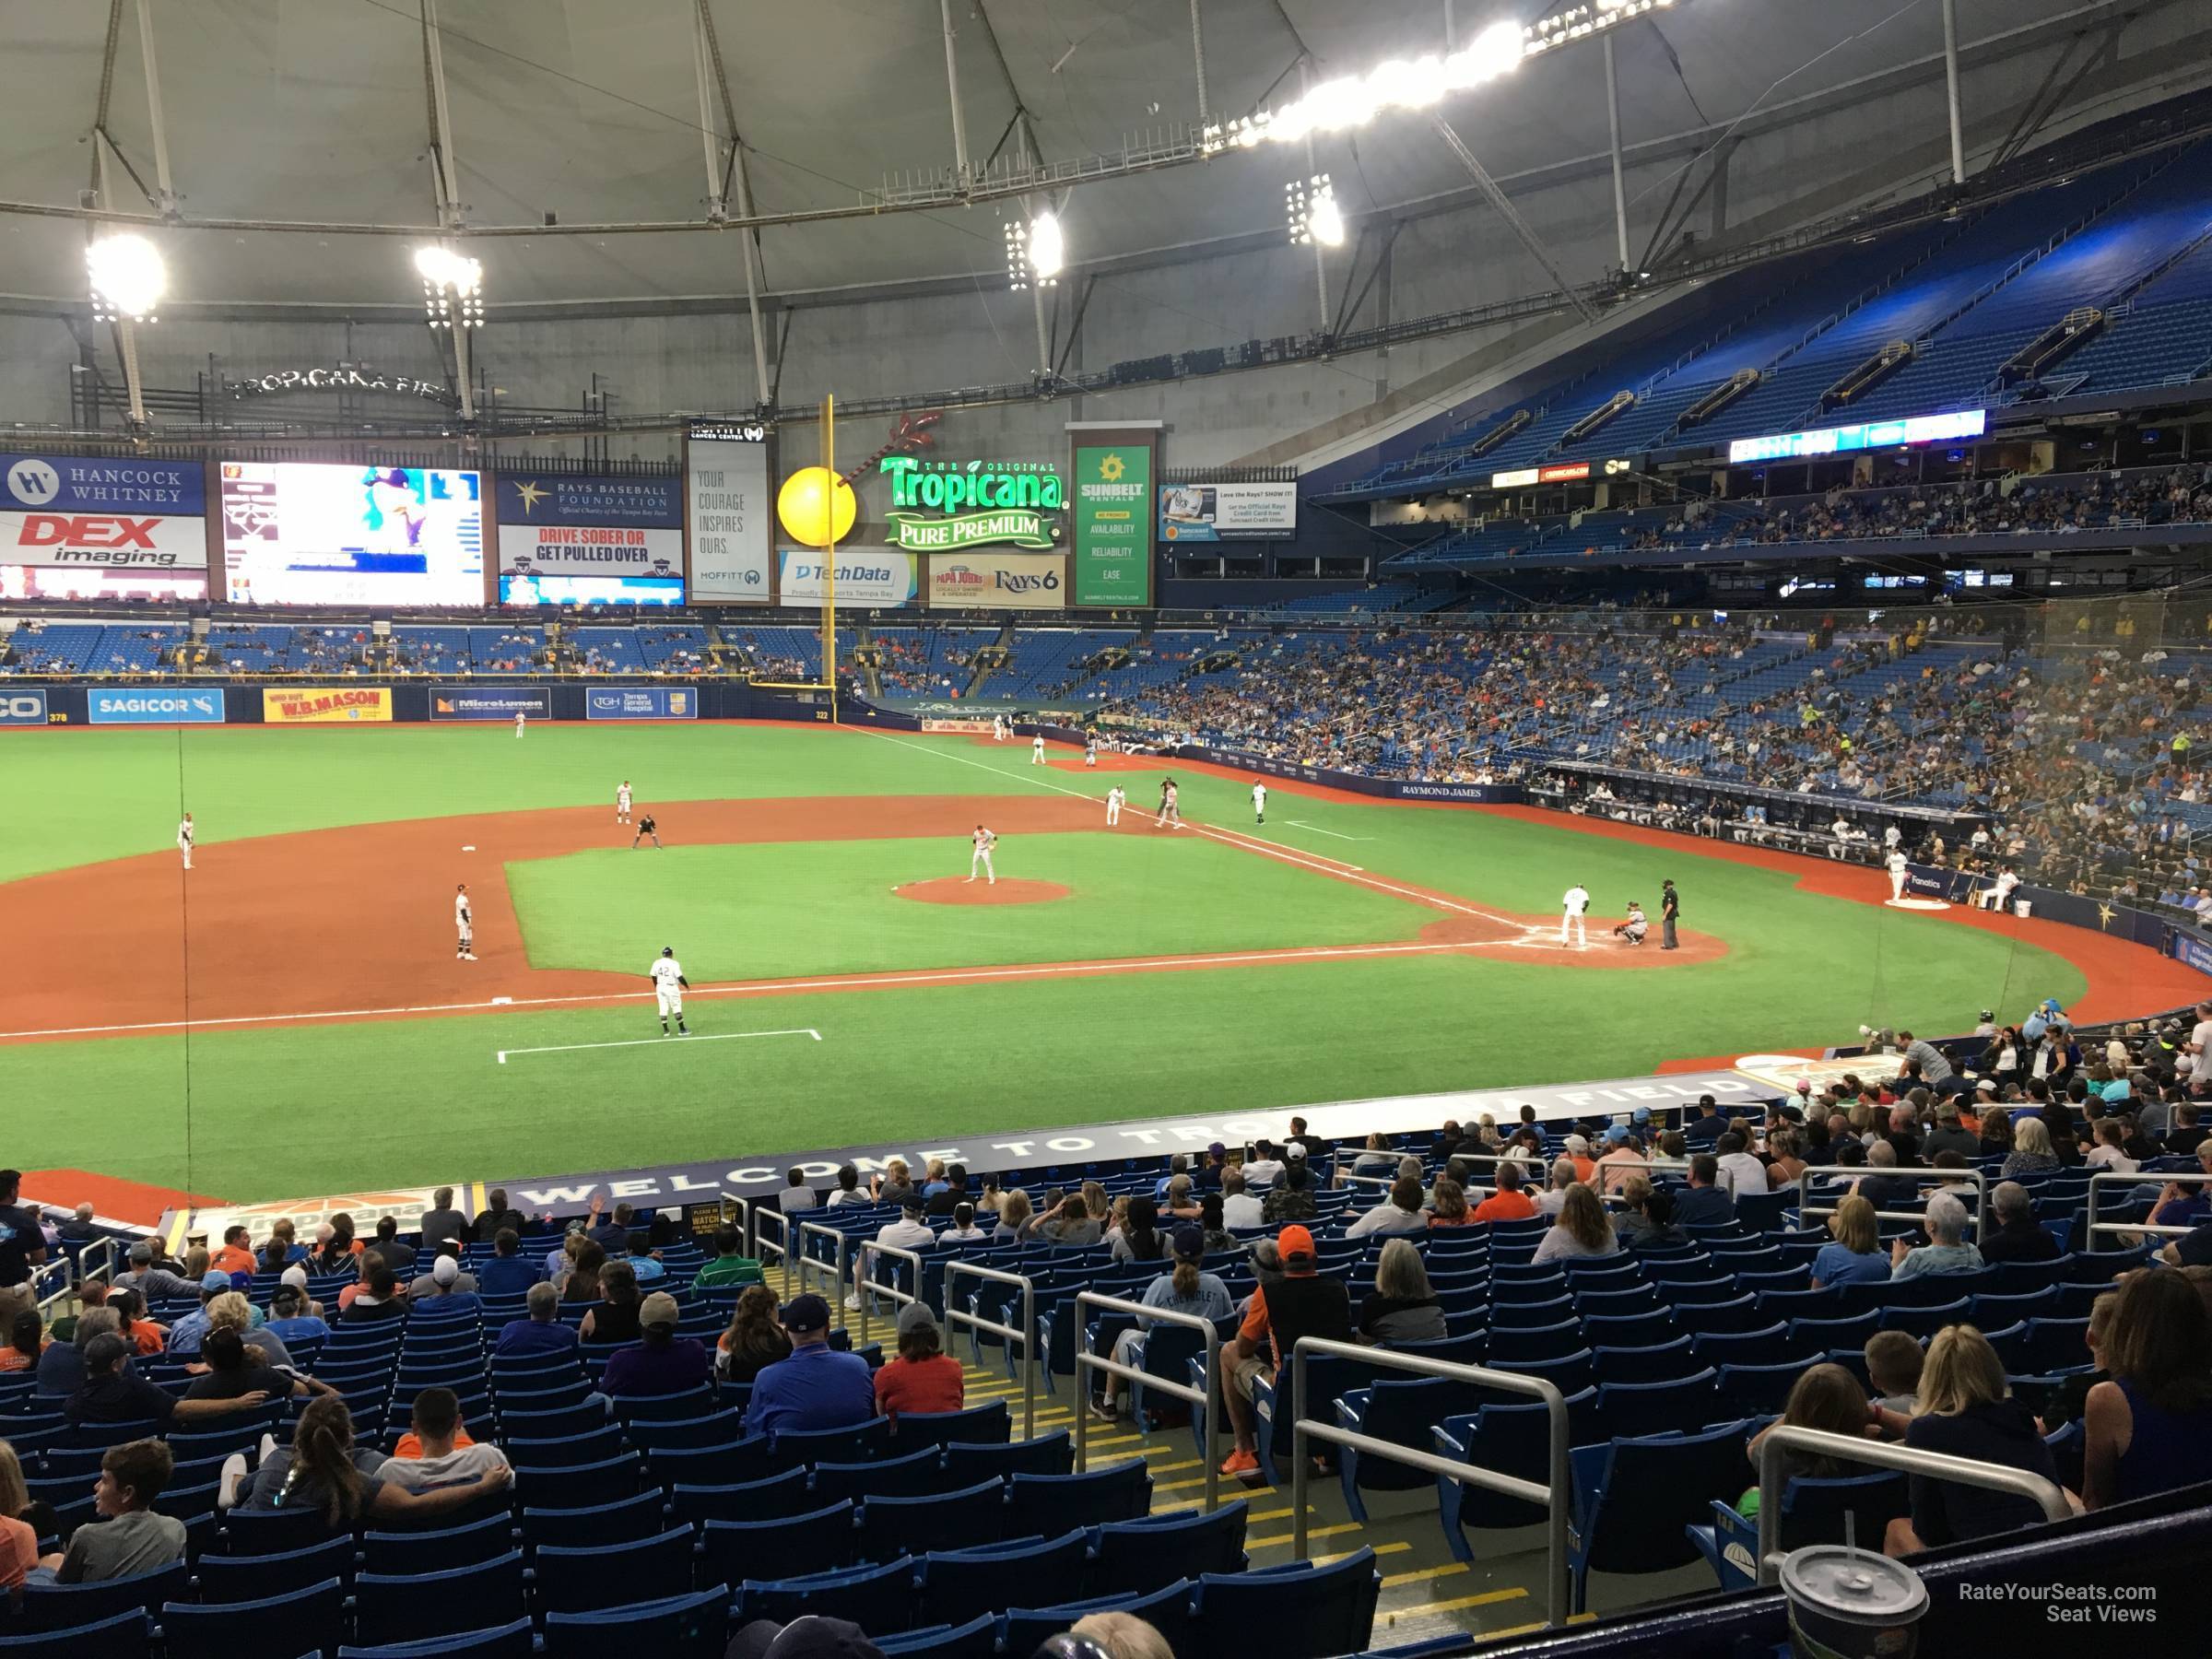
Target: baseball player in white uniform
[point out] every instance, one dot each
(668, 987)
(465, 925)
(184, 835)
(622, 803)
(1998, 896)
(1890, 836)
(1114, 797)
(519, 718)
(1037, 750)
(1896, 861)
(1572, 908)
(1091, 749)
(1259, 803)
(998, 728)
(984, 840)
(1168, 809)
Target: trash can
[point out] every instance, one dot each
(2021, 907)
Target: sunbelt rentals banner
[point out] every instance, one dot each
(1113, 523)
(866, 576)
(328, 705)
(997, 580)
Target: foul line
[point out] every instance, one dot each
(660, 1042)
(1266, 849)
(1302, 824)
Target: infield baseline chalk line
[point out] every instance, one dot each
(1302, 824)
(571, 1047)
(1312, 860)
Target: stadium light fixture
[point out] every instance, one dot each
(1035, 252)
(1309, 204)
(1419, 83)
(453, 286)
(128, 279)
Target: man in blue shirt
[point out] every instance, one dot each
(185, 1336)
(818, 1387)
(542, 1333)
(1704, 1129)
(1706, 1202)
(508, 1273)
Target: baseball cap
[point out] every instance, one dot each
(142, 1252)
(1190, 1240)
(296, 1275)
(1295, 1150)
(1578, 1143)
(658, 1309)
(1294, 1243)
(213, 1280)
(916, 1316)
(445, 1270)
(1617, 1134)
(1986, 1086)
(1642, 1115)
(807, 1312)
(807, 1637)
(1215, 1148)
(911, 1203)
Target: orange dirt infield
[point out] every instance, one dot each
(962, 889)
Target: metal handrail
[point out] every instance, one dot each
(1027, 1335)
(1943, 1178)
(744, 1217)
(2092, 1227)
(1207, 1399)
(1913, 1460)
(866, 1288)
(841, 1258)
(99, 1260)
(762, 1243)
(1553, 1496)
(63, 1291)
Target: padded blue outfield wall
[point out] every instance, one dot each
(221, 702)
(2167, 935)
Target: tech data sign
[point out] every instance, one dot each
(946, 506)
(109, 512)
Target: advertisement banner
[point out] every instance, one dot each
(108, 707)
(477, 702)
(98, 484)
(1113, 523)
(590, 550)
(978, 726)
(864, 576)
(603, 499)
(730, 509)
(22, 708)
(105, 541)
(997, 580)
(328, 705)
(2191, 949)
(1212, 512)
(641, 703)
(101, 583)
(309, 533)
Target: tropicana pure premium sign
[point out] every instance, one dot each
(945, 506)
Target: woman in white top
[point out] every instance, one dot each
(1581, 1230)
(2106, 1154)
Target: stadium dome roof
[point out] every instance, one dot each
(589, 110)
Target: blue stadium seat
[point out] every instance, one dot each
(428, 1550)
(1635, 1499)
(985, 1425)
(957, 1585)
(577, 1487)
(978, 1639)
(785, 1494)
(59, 1606)
(616, 1522)
(300, 1621)
(780, 1546)
(594, 1577)
(966, 1462)
(910, 1475)
(1636, 1408)
(1507, 1438)
(856, 1444)
(1295, 1612)
(956, 1520)
(1753, 1390)
(1661, 1362)
(503, 1641)
(421, 1606)
(1924, 1322)
(1140, 1557)
(1166, 1610)
(1402, 1413)
(1044, 1505)
(1813, 1512)
(122, 1636)
(878, 1599)
(683, 1627)
(272, 1532)
(250, 1578)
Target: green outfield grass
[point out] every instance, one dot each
(270, 1113)
(765, 911)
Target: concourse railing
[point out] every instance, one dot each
(1207, 1398)
(1940, 1179)
(1027, 1335)
(836, 1265)
(1913, 1460)
(2106, 1180)
(1552, 1496)
(868, 1288)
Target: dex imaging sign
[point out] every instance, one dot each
(105, 707)
(99, 512)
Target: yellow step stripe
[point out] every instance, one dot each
(1312, 1532)
(1170, 1468)
(1278, 1515)
(1487, 1598)
(1422, 1575)
(1380, 1549)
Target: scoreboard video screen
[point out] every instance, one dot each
(298, 532)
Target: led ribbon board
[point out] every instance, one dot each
(945, 506)
(1869, 434)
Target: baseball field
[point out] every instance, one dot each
(289, 1017)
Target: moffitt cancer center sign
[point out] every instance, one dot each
(980, 502)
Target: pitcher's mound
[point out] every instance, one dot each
(956, 889)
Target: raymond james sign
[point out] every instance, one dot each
(945, 506)
(342, 379)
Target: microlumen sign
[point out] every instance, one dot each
(944, 507)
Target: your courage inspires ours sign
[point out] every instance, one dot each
(945, 506)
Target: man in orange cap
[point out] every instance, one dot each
(1301, 1304)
